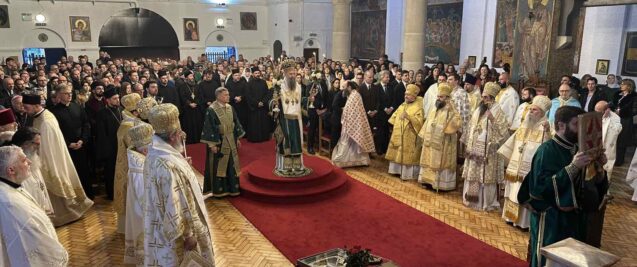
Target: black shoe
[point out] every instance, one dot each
(311, 150)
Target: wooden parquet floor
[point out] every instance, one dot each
(93, 240)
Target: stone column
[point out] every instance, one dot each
(414, 34)
(341, 29)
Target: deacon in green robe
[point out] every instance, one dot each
(555, 189)
(221, 132)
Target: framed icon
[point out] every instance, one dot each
(601, 67)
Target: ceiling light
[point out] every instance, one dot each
(220, 22)
(40, 18)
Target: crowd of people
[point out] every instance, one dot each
(71, 126)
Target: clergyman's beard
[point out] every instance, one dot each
(291, 84)
(483, 108)
(440, 104)
(570, 136)
(526, 100)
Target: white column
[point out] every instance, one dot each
(414, 34)
(341, 29)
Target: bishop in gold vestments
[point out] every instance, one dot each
(483, 170)
(440, 140)
(405, 146)
(518, 151)
(130, 118)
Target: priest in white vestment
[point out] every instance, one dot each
(356, 141)
(611, 127)
(483, 170)
(27, 237)
(507, 98)
(526, 97)
(518, 151)
(175, 216)
(429, 100)
(29, 139)
(141, 137)
(65, 190)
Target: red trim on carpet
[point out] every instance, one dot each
(361, 215)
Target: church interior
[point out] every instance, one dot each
(380, 203)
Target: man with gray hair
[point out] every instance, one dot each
(28, 237)
(221, 132)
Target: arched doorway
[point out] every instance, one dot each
(43, 43)
(278, 49)
(220, 45)
(138, 32)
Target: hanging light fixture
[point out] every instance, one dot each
(39, 18)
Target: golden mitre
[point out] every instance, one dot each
(412, 90)
(141, 134)
(164, 118)
(130, 101)
(144, 106)
(288, 64)
(542, 102)
(491, 89)
(444, 89)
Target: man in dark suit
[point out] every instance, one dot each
(320, 104)
(589, 99)
(386, 108)
(7, 92)
(370, 99)
(399, 90)
(167, 90)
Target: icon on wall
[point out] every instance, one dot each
(191, 29)
(4, 17)
(248, 21)
(601, 68)
(80, 29)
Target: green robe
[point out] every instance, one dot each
(553, 191)
(222, 129)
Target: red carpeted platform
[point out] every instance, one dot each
(359, 215)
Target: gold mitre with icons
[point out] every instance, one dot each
(130, 101)
(412, 90)
(492, 89)
(444, 89)
(141, 134)
(144, 106)
(164, 118)
(288, 64)
(542, 102)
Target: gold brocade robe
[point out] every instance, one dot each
(482, 164)
(440, 139)
(174, 208)
(474, 99)
(404, 145)
(121, 165)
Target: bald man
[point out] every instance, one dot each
(611, 126)
(565, 99)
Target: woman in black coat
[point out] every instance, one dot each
(625, 105)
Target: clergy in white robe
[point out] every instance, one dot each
(356, 141)
(65, 190)
(611, 127)
(141, 137)
(175, 216)
(429, 100)
(27, 237)
(440, 141)
(483, 169)
(507, 98)
(28, 139)
(518, 152)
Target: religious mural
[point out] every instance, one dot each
(442, 32)
(191, 29)
(504, 28)
(629, 64)
(532, 37)
(80, 29)
(248, 21)
(369, 19)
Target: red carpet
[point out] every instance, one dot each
(360, 215)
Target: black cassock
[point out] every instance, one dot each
(239, 89)
(207, 90)
(259, 122)
(107, 124)
(75, 126)
(191, 117)
(169, 93)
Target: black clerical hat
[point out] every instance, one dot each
(470, 79)
(235, 71)
(110, 92)
(186, 73)
(31, 99)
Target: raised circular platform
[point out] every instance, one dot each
(258, 180)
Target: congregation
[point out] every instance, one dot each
(119, 127)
